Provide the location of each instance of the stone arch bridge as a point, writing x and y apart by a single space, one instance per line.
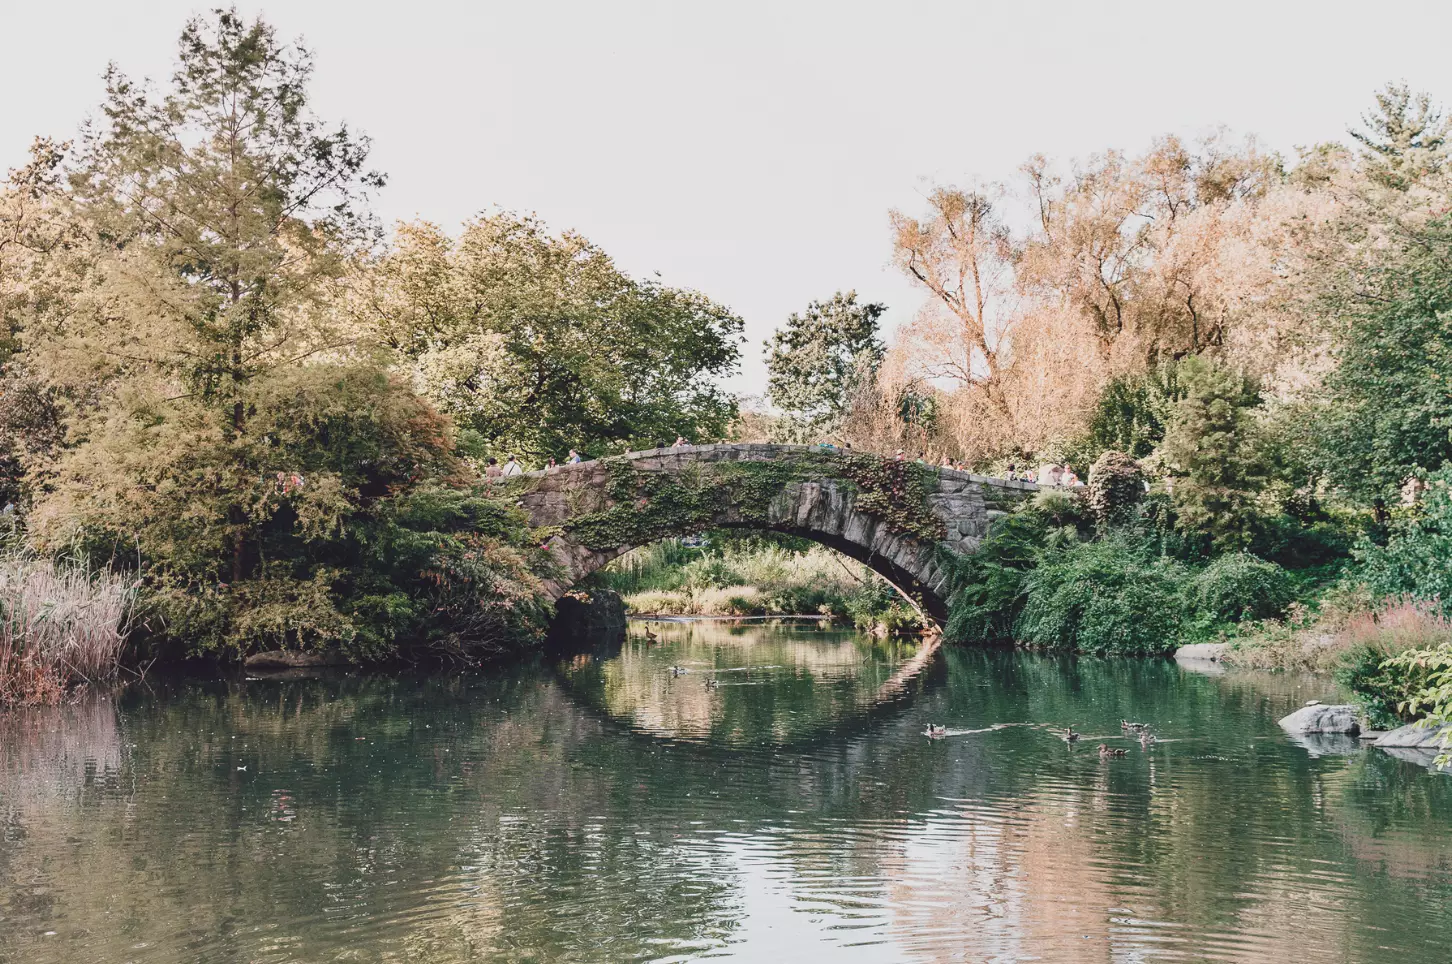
903 520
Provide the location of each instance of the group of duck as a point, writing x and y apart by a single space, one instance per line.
1140 730
711 683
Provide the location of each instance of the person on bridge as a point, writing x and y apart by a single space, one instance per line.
573 458
491 469
681 443
511 467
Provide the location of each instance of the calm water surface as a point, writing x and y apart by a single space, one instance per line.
600 809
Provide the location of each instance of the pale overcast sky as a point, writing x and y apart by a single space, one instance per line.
752 150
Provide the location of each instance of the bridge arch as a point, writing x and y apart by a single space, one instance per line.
897 518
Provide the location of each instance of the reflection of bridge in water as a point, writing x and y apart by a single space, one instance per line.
756 683
864 506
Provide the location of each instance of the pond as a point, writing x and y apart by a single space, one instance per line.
776 802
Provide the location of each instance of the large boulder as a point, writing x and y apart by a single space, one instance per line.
1339 718
1412 735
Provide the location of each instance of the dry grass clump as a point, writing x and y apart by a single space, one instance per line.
1347 621
60 625
709 601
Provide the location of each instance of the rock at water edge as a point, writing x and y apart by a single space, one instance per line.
1322 719
1412 735
1214 651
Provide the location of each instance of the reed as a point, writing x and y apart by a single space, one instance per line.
61 625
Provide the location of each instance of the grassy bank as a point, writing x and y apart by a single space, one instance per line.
763 575
60 625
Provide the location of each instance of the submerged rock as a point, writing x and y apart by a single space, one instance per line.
1412 735
1215 651
1322 719
292 659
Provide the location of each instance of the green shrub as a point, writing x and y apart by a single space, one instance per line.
1430 698
1238 586
1380 687
987 586
1112 597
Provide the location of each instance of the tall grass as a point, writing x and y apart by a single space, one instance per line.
748 577
61 624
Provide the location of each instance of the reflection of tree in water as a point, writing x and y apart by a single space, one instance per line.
440 816
448 820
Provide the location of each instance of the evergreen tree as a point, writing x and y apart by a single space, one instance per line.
1404 137
1213 453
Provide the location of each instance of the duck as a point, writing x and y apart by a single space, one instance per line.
1107 751
679 671
1133 727
1146 739
1070 736
712 683
935 730
650 635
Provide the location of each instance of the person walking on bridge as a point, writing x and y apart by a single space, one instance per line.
511 467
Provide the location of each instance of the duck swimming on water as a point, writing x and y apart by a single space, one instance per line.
935 730
1069 736
1106 751
1133 727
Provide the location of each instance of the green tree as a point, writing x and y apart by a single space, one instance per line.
819 359
1213 453
214 216
538 343
1131 413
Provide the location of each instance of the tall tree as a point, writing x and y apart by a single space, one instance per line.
818 361
537 343
218 211
1213 453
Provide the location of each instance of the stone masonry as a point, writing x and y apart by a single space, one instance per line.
823 510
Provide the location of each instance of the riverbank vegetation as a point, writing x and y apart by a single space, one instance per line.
756 574
61 625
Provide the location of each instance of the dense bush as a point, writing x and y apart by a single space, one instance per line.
1239 586
1378 690
1414 561
1116 483
987 587
1111 597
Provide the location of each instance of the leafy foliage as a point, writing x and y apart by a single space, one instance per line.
1116 484
1132 412
1425 675
538 343
818 360
1239 586
1414 560
1109 597
1381 687
1212 450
